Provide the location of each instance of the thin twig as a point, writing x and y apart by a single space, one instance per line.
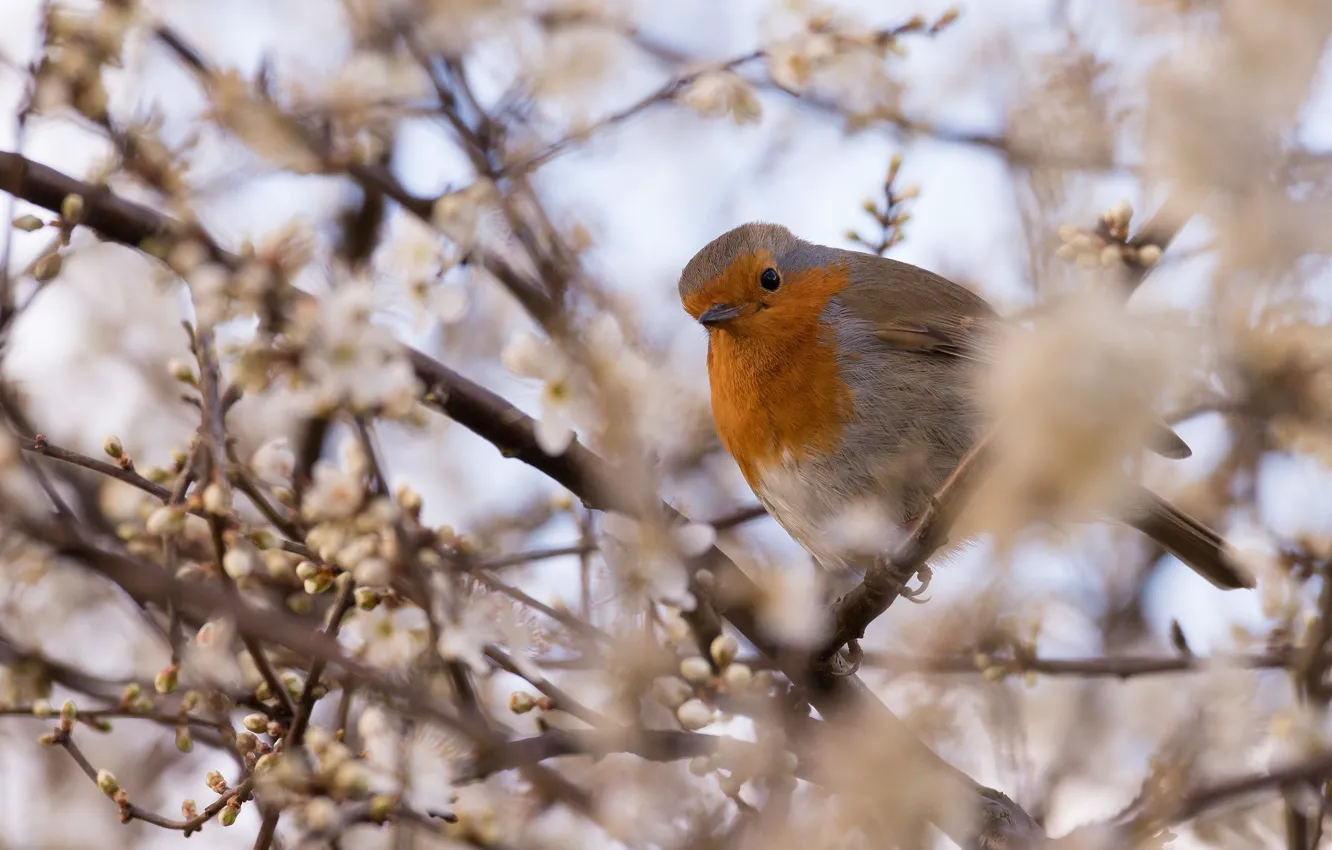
562 700
129 811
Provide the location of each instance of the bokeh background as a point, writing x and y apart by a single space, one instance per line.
991 108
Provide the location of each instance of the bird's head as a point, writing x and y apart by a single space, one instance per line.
760 281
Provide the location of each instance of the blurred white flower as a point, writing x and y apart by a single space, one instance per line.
532 357
1074 395
456 214
425 759
465 639
387 638
334 493
448 304
259 125
274 461
864 528
790 608
718 93
348 359
792 60
648 560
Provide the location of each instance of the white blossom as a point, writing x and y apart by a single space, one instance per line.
649 562
387 638
274 461
531 357
718 93
790 609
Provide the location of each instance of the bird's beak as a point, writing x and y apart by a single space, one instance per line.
718 315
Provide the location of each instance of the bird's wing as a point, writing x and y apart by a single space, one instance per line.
947 320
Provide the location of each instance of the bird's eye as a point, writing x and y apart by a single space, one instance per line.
770 280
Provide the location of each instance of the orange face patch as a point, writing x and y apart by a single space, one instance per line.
773 370
738 284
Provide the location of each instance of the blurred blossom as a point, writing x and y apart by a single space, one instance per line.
865 528
718 93
363 81
334 493
456 213
646 557
1075 399
274 461
531 357
414 759
348 359
260 125
387 638
790 606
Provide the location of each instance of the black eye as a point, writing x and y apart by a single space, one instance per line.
770 280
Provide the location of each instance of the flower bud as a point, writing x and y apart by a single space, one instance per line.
723 650
381 806
671 692
737 677
68 714
216 499
165 680
28 223
106 782
1119 215
521 702
216 783
238 563
257 723
696 670
182 370
1149 255
71 209
47 268
367 598
166 520
694 714
111 445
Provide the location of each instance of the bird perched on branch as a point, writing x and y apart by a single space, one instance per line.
841 378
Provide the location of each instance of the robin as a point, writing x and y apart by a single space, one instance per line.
842 378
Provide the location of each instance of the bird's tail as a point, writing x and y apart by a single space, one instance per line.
1189 540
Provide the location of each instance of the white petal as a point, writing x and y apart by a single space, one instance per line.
450 303
274 461
410 618
604 336
622 527
553 434
455 644
670 581
373 572
525 354
694 538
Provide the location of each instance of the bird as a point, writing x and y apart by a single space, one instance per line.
840 378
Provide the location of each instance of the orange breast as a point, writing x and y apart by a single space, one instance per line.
775 385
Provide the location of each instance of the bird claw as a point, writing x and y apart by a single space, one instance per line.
914 595
846 662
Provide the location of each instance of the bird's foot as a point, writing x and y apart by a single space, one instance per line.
846 661
914 595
